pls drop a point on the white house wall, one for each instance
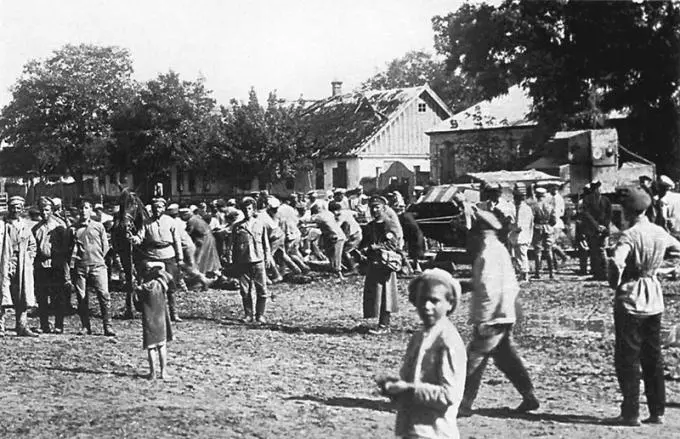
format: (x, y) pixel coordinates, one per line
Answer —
(405, 136)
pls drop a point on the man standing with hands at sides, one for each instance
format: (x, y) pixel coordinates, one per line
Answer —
(638, 307)
(597, 216)
(492, 311)
(252, 255)
(160, 241)
(521, 234)
(90, 245)
(17, 253)
(52, 273)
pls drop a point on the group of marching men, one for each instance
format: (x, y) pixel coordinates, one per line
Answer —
(50, 253)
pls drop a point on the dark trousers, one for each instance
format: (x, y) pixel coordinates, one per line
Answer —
(496, 343)
(253, 275)
(598, 256)
(638, 343)
(92, 277)
(50, 290)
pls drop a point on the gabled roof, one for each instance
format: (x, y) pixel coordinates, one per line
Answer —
(509, 110)
(343, 125)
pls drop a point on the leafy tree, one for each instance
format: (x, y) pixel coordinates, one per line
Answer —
(579, 60)
(62, 106)
(265, 142)
(419, 67)
(169, 122)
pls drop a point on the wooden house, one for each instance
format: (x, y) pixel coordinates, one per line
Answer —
(373, 138)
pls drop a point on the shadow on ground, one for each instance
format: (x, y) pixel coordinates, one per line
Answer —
(361, 403)
(506, 413)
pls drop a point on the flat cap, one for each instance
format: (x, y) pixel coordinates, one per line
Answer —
(45, 201)
(273, 202)
(540, 191)
(339, 191)
(636, 200)
(16, 199)
(418, 188)
(173, 208)
(437, 276)
(159, 200)
(377, 200)
(666, 181)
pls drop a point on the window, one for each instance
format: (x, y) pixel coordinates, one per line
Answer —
(192, 182)
(422, 107)
(180, 180)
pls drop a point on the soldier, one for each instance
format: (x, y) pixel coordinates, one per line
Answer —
(669, 206)
(521, 234)
(544, 239)
(252, 255)
(18, 251)
(90, 245)
(160, 240)
(52, 273)
(597, 216)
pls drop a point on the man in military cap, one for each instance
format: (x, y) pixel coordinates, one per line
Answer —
(669, 206)
(638, 307)
(52, 273)
(544, 235)
(18, 251)
(160, 240)
(596, 219)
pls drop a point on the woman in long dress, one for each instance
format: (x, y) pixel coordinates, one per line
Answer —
(207, 258)
(382, 236)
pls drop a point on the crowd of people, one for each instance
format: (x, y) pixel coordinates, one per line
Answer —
(258, 240)
(439, 378)
(50, 252)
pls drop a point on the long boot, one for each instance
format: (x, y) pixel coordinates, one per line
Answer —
(247, 308)
(106, 321)
(22, 323)
(260, 307)
(551, 264)
(172, 306)
(84, 314)
(537, 275)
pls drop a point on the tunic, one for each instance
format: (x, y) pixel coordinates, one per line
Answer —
(161, 240)
(522, 231)
(495, 286)
(435, 362)
(380, 286)
(156, 327)
(17, 247)
(638, 255)
(207, 258)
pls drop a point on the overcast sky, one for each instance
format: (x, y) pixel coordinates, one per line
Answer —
(293, 46)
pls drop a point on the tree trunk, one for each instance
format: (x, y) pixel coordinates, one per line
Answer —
(80, 183)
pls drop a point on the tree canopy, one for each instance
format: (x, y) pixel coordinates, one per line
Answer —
(266, 142)
(62, 107)
(169, 121)
(579, 61)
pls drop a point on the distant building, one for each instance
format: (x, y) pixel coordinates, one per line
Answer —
(374, 137)
(501, 126)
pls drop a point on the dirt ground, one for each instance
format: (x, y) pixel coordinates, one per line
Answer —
(309, 372)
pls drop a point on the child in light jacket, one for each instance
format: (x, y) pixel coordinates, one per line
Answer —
(431, 382)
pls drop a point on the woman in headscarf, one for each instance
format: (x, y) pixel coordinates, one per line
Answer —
(381, 244)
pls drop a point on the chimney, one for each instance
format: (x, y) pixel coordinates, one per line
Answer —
(336, 87)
